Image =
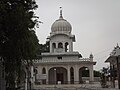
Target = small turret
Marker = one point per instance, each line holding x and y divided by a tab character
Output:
91	57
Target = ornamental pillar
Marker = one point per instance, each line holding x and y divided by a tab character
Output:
51	48
91	74
70	46
76	74
68	74
56	44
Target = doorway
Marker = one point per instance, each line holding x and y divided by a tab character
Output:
56	74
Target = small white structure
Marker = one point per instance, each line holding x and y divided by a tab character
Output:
62	65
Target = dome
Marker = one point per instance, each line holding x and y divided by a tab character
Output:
61	26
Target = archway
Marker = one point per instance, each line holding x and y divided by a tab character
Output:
71	75
60	45
53	46
66	47
83	74
57	75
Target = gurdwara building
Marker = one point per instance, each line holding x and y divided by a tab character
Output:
62	65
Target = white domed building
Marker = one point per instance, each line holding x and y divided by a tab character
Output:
62	65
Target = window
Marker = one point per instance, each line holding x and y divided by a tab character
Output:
66	47
60	45
43	71
54	45
60	58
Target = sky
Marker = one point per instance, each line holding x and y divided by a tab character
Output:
95	24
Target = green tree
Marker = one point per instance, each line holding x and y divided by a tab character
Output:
85	73
43	48
104	76
97	73
18	41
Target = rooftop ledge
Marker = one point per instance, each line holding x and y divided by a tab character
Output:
65	53
83	60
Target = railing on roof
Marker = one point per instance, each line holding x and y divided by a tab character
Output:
57	60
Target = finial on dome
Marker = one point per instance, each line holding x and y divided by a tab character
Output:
61	13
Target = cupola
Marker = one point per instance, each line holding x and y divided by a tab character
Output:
61	26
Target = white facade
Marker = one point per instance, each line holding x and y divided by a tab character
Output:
62	64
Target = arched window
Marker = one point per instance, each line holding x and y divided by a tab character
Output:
66	47
54	45
43	71
60	45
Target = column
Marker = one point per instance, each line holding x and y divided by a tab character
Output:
68	74
56	44
70	46
76	75
91	74
46	75
51	48
39	73
63	46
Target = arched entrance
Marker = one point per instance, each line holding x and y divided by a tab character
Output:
83	74
57	75
71	75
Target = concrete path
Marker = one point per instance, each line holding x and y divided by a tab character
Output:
94	86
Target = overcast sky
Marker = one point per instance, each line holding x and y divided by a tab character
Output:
95	23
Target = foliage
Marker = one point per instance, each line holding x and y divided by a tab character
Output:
97	73
18	41
104	76
43	48
85	73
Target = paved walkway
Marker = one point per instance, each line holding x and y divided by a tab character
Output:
94	86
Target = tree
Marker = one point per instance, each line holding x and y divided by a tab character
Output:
43	48
85	73
97	73
104	76
18	41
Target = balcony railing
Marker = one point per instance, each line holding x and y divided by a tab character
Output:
53	61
